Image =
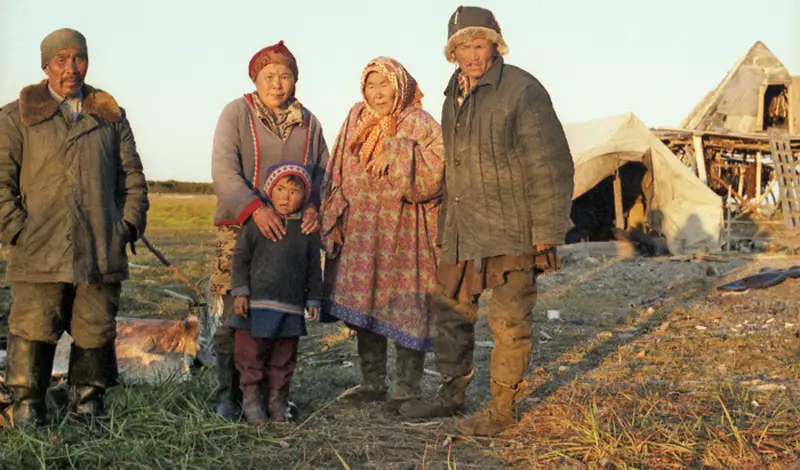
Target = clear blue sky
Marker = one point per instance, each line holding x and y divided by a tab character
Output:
173	64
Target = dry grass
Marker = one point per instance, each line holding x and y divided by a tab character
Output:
708	382
692	380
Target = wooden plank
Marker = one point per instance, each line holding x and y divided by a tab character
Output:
758	126
699	156
794	106
685	133
758	175
740	188
618	212
624	249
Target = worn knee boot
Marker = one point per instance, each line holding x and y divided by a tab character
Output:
372	354
253	403
451	398
409	365
229	395
278	405
28	370
91	372
500	415
454	345
510	320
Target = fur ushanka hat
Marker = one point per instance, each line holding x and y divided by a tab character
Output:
468	23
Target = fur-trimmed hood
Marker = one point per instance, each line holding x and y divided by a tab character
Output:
36	104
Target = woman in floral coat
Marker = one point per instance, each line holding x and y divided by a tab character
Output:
379	217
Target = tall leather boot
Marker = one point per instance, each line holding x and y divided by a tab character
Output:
91	372
500	415
253	406
28	369
229	395
409	364
372	355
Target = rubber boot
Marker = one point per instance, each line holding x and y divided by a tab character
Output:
91	372
409	365
253	406
451	398
28	370
372	355
500	415
229	395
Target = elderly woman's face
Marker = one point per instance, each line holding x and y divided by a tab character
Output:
275	84
379	93
475	57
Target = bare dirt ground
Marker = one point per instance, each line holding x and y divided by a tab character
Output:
647	367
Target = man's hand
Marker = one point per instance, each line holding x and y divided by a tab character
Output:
310	220
132	236
241	305
269	223
312	313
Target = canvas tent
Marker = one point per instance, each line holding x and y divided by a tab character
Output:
683	209
757	93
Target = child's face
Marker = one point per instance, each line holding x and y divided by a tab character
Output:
288	196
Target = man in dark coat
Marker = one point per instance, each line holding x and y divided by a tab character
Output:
72	196
508	192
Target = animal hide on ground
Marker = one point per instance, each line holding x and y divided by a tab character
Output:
149	350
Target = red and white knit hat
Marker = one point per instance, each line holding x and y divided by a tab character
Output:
281	170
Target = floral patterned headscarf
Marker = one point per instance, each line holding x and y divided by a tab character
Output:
373	128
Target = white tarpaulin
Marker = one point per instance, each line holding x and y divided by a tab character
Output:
690	213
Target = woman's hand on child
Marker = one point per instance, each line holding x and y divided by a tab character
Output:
312	313
310	220
241	305
269	223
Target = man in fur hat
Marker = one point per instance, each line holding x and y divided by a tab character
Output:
508	193
72	196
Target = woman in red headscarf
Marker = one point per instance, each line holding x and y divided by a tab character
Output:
379	216
254	132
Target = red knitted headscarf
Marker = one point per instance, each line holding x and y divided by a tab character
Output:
274	54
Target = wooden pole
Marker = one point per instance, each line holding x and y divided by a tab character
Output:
729	224
740	169
620	216
700	158
758	175
183	277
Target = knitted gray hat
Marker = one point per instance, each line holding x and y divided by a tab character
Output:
62	39
468	23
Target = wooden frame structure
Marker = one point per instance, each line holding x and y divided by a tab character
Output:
736	165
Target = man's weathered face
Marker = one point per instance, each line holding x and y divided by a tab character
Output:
275	85
475	57
66	71
379	93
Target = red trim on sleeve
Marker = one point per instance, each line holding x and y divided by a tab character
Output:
247	212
